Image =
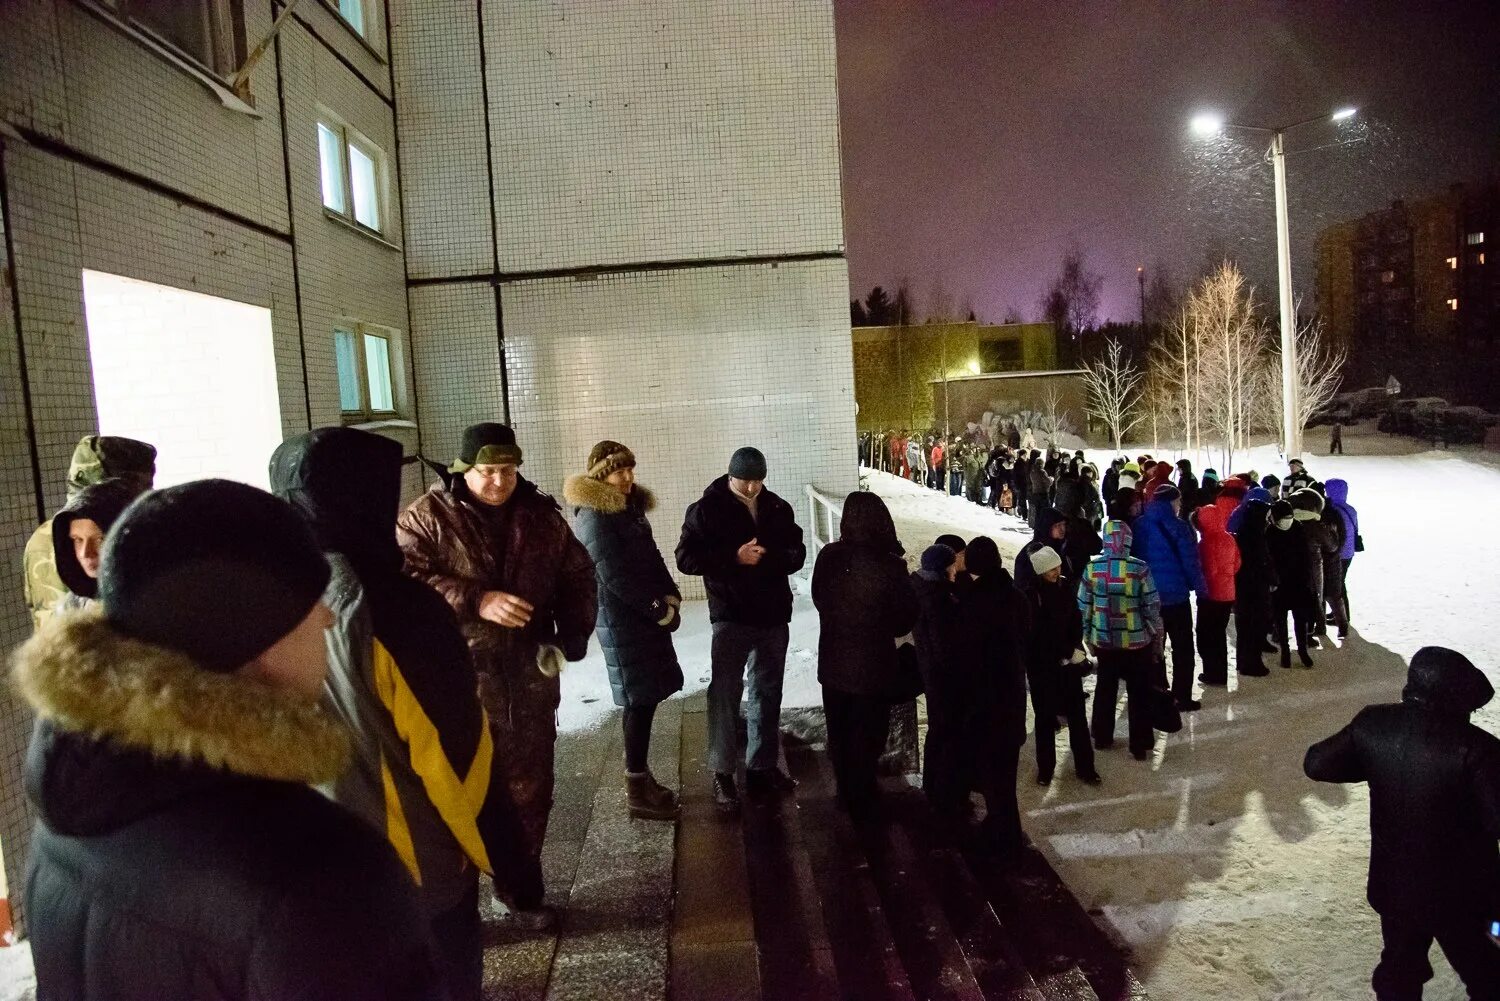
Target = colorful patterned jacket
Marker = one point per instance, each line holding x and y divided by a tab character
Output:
1118	599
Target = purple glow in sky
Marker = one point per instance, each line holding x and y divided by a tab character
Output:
980	138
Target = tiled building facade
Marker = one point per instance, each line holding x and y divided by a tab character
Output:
596	219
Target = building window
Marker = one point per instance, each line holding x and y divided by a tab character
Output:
1479	257
1453	304
1386	277
210	32
352	171
1475	239
1453	264
362	354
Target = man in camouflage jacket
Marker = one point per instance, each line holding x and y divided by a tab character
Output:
96	459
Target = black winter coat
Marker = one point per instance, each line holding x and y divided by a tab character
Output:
864	600
634	588
1434	807
1042	536
1111	484
1291	559
996	632
939	643
181	854
1056	632
716	526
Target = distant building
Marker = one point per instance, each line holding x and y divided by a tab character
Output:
967	399
895	366
1414	291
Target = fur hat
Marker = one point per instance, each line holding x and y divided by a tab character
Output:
1045	559
937	557
487	444
607	457
213	569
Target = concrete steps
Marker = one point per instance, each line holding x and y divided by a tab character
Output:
791	899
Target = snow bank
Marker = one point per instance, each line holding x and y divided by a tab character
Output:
1226	871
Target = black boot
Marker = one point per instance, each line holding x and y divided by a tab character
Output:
726	796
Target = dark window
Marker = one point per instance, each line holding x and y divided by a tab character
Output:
211	32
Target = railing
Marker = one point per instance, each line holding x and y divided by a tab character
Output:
824	513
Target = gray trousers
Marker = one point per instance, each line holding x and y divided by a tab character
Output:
763	650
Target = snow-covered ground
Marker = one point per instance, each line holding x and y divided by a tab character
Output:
1228	873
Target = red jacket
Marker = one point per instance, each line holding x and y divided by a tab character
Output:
1218	553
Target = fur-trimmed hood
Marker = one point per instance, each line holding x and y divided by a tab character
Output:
131	699
585	491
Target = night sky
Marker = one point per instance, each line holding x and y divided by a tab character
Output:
980	138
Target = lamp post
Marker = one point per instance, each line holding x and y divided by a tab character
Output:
1210	124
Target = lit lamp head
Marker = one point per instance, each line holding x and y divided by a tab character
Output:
1207	124
1344	113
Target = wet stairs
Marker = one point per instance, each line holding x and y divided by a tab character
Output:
789	901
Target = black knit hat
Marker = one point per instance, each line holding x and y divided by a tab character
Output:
747	463
953	542
982	557
216	570
486	445
607	457
937	557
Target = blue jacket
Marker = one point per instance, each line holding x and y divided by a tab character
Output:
1170	549
1338	496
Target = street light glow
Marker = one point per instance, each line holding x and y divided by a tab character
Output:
1344	113
1207	124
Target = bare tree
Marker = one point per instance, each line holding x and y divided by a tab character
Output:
1112	382
1071	302
1229	340
1320	370
1052	418
1175	370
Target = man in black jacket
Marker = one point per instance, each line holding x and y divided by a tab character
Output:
1434	820
179	851
743	540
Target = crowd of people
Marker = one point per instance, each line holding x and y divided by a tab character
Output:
208	655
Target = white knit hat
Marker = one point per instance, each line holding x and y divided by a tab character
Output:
1045	559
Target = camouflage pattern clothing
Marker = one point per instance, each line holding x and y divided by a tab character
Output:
96	459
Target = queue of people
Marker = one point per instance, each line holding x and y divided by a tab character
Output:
207	654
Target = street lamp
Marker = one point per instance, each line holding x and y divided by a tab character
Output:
1208	124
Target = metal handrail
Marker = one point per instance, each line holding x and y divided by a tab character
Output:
823	513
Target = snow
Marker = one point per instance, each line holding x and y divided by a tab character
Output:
1226	871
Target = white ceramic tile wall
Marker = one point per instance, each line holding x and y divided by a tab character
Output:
114	101
67	75
672	130
685	366
440	107
457	362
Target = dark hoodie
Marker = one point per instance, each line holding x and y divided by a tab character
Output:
1434	792
996	631
1040	538
102	503
864	600
1256	573
401	677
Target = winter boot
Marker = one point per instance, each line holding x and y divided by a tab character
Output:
1286	656
726	796
647	799
1305	657
764	783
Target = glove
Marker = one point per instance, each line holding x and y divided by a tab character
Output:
549	660
672	619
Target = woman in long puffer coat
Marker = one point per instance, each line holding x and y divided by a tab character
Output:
638	610
1323	556
1221	562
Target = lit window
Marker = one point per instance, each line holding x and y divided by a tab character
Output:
352	174
211	32
1479	257
362	355
353	11
1386	277
1452	303
1475	239
1452	264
